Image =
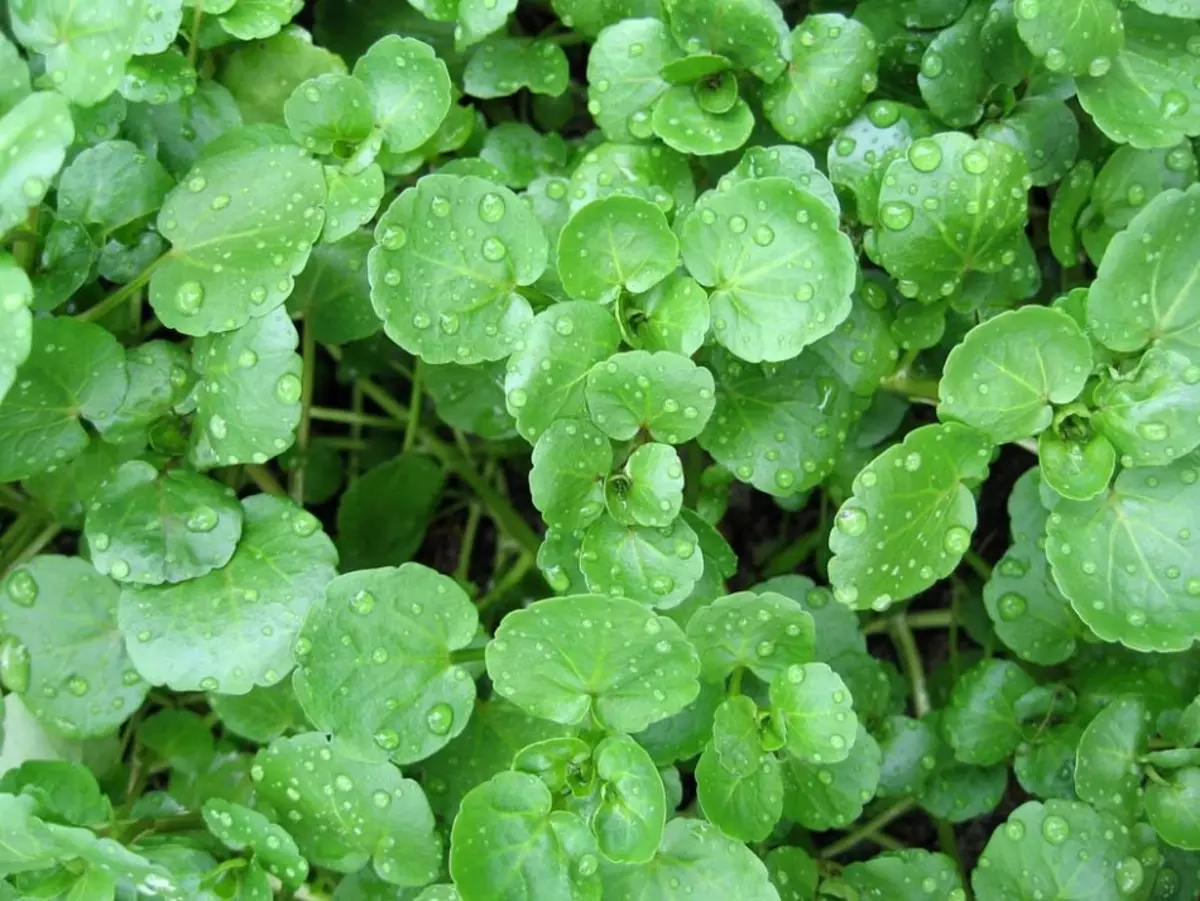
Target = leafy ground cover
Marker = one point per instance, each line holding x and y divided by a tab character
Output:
599	450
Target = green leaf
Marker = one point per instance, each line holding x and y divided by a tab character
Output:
658	567
779	428
672	316
751	33
1076	469
590	17
34	137
70	666
861	351
329	113
952	82
924	476
653	173
765	633
664	395
1084	40
1171	808
145	527
522	154
445	300
253	20
68	256
237	239
471	398
344	813
1123	560
811	708
1069	201
65	792
684	124
239	829
958	792
1150	414
15	87
262	715
546	377
738	784
383	515
1046	767
508	844
613	244
929	236
408	88
649	490
624	83
834	67
1148	97
787	161
1004	376
502	66
16	323
694	860
628	820
908	750
162	78
980	721
794	873
1029	613
822	796
248	400
912	875
1045	132
604	652
352	202
1108	772
111	185
782	270
22	846
332	293
74	370
262	75
685	734
1037	852
234	628
400	625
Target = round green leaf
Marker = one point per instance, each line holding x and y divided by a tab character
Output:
444	297
344	813
111	185
738	784
1029	613
521	154
1149	96
471	398
952	82
1084	38
980	720
653	173
787	161
1046	849
958	792
162	78
147	527
262	715
811	707
629	819
408	88
1046	133
16	323
75	369
1069	201
1150	414
685	125
779	428
34	137
329	113
912	875
782	270
833	68
613	244
589	17
764	632
930	234
912	500
822	796
623	77
1046	767
352	202
332	293
509	844
673	316
393	627
1076	469
66	490
241	225
63	654
502	66
249	393
1108	772
684	735
564	658
1004	376
751	33
908	750
15	86
1123	559
570	462
239	829
1171	808
233	628
649	490
160	377
383	515
657	567
663	394
546	376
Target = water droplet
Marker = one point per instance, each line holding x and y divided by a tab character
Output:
851	521
1011	607
304	524
381	799
449	323
491	207
189	297
912	462
220	201
1099	66
197	183
737	224
202	519
932	64
588	864
1129	875
393	237
288	388
343	782
1055	829
1054	59
1173	103
764	235
494	250
78	686
439	719
925	155
765	648
517	398
896	215
387	739
247	359
22	589
440	206
14	665
975	162
119	570
363	602
1015	830
796	673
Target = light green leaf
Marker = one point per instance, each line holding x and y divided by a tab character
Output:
632	810
1151	415
649	490
911	875
613	244
1076	468
446	299
479	18
1084	38
811	708
74	370
751	33
1171	808
332	293
22	845
248	400
822	795
471	398
653	173
1046	767
765	633
159	26
787	161
924	476
241	225
234	628
111	185
605	650
508	844
262	75
147	527
1029	613
162	78
330	113
396	627
657	567
952	82
908	751
352	202
343	812
673	316
663	394
16	323
69	665
624	83
262	715
738	784
833	68
1108	771
239	829
502	66
408	88
685	125
1046	133
521	154
15	86
980	721
590	17
254	20
1069	201
34	137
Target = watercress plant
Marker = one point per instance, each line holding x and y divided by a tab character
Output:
600	450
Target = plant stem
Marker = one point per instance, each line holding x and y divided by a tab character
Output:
794	554
462	572
193	39
33	548
308	356
265	480
414	408
352	418
910	659
868	830
467	655
923	619
921	390
25	249
506	583
982	568
122	294
948	842
735	682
